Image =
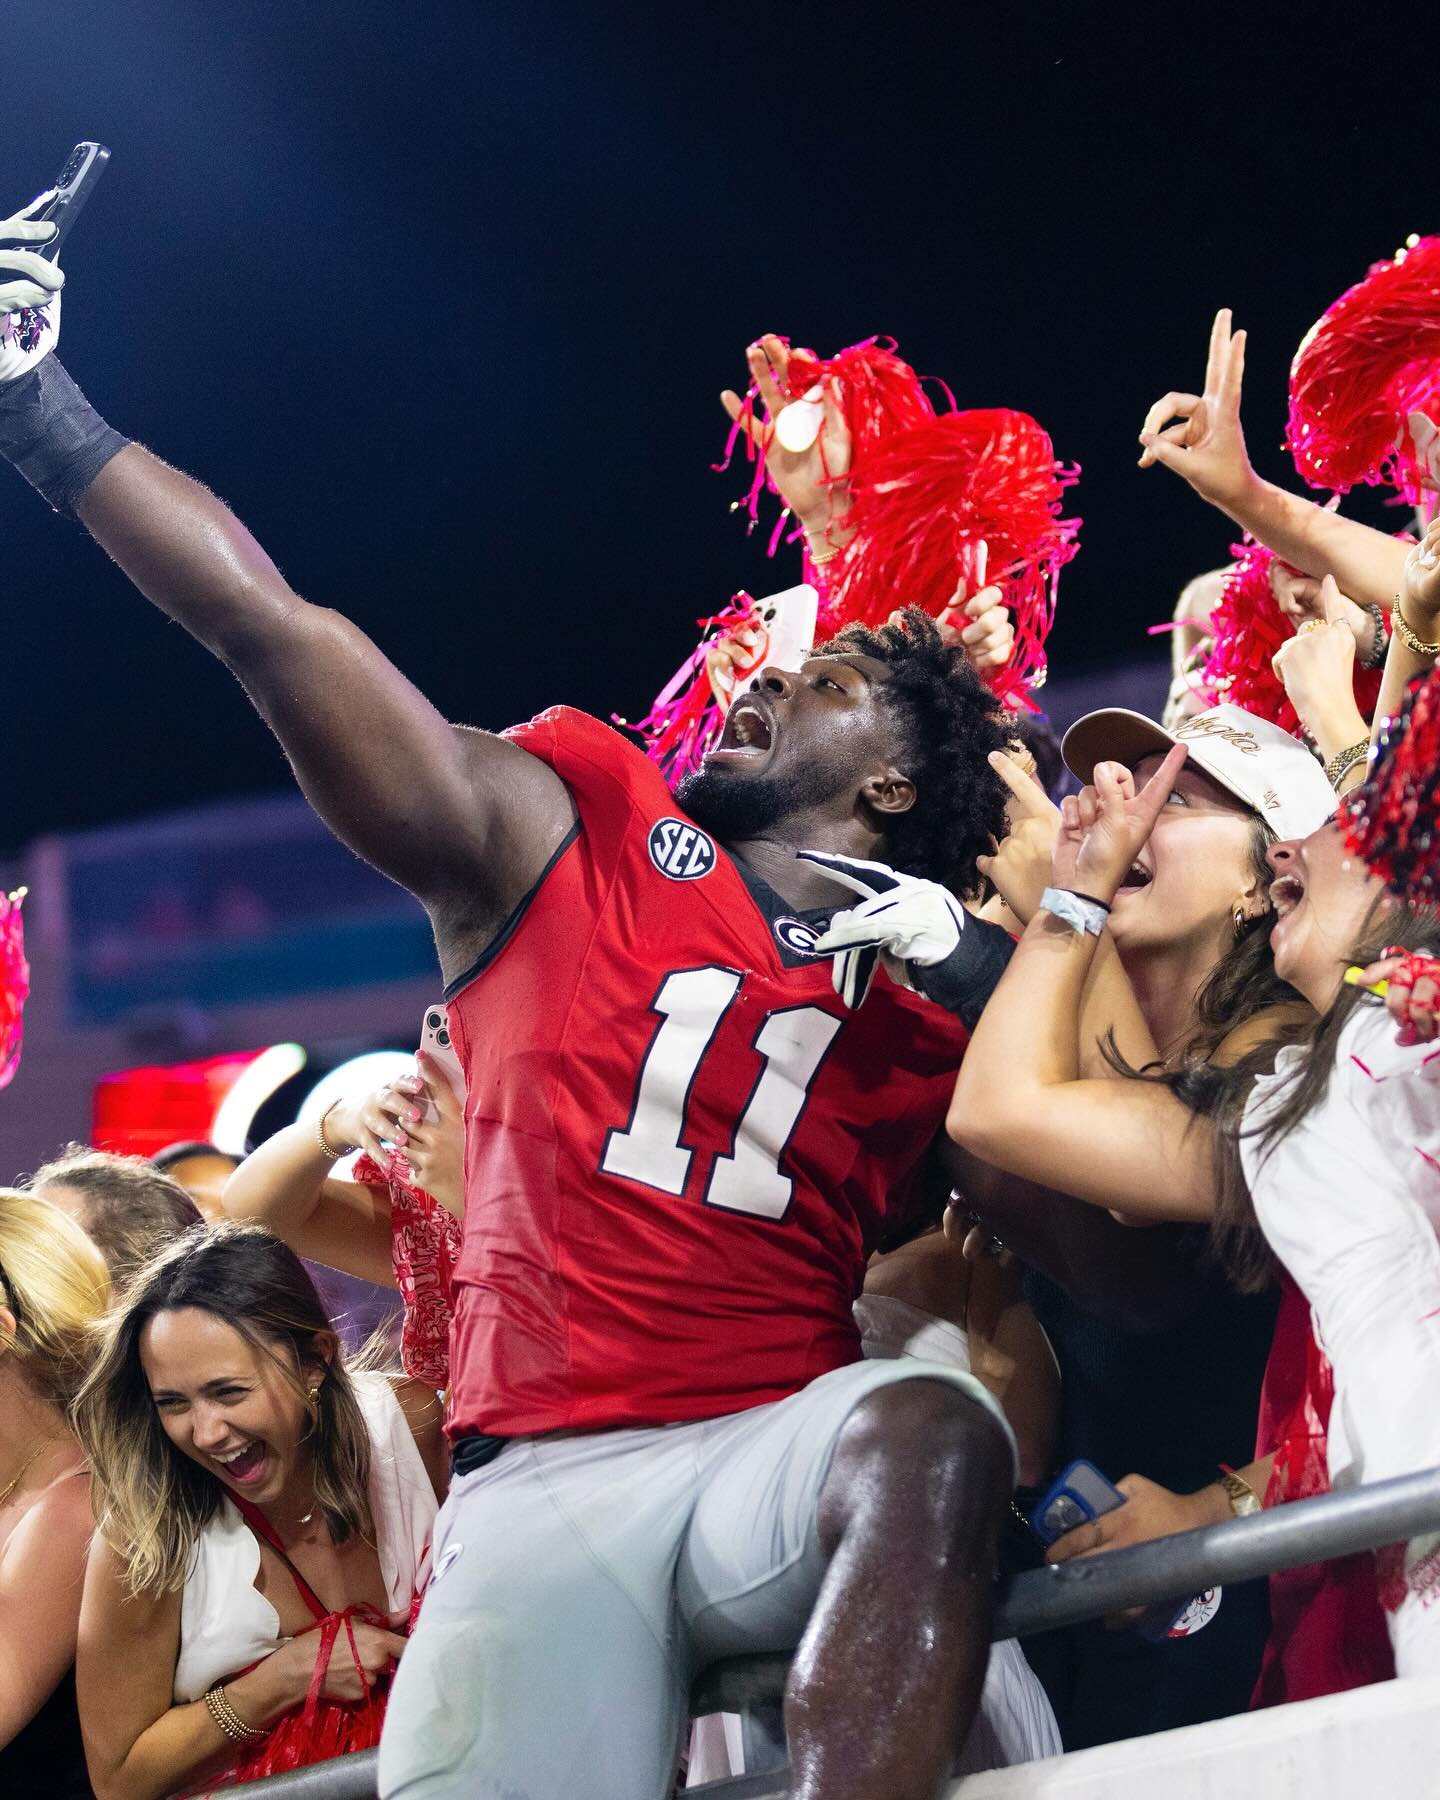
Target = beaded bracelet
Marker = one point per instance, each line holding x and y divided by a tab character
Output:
1407	636
327	1149
226	1717
1374	657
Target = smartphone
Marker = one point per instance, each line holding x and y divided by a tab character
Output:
435	1042
785	623
1078	1494
73	187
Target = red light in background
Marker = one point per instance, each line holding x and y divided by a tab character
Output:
139	1111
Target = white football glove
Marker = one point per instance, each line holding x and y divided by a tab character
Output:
912	920
28	283
952	959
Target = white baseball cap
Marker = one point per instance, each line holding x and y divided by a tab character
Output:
1271	771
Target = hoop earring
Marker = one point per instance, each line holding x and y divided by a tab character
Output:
1239	920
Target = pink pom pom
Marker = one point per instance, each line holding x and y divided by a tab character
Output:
14	983
686	720
1365	365
1247	629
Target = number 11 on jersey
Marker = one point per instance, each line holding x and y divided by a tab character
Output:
792	1043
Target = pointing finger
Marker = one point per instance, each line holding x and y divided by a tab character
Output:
1030	798
1218	350
1232	376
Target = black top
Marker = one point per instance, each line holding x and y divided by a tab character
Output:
45	1760
1172	1405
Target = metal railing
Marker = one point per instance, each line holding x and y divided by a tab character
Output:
1286	1537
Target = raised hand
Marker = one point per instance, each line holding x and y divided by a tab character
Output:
1420	595
1298	598
1317	667
811	481
1204	443
1020	867
26	278
729	659
1413	992
1103	828
29	294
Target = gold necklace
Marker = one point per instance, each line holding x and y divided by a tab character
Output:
6	1492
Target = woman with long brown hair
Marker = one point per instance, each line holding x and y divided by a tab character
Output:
264	1519
53	1288
1329	1148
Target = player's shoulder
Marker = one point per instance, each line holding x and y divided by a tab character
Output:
599	765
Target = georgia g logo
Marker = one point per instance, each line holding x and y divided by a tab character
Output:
681	850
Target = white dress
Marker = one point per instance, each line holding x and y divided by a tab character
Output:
1015	1722
226	1623
1350	1203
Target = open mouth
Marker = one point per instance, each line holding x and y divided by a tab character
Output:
1136	877
245	1466
749	732
1286	893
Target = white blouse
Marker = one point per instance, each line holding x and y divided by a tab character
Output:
226	1623
1350	1203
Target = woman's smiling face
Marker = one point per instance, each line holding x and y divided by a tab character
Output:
1322	898
1197	867
227	1404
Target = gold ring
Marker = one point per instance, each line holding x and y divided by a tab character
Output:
1312	625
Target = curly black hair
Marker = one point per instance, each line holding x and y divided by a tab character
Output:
950	722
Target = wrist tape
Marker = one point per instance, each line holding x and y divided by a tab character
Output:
969	975
50	432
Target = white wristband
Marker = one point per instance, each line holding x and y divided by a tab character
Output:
1080	913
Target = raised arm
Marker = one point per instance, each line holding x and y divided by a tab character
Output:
1020	1102
463	819
1206	446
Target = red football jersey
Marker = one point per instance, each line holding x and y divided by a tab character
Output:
679	1143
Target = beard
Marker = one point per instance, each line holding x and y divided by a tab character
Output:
734	807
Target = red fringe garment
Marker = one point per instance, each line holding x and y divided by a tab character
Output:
1247	629
1327	1630
1390	820
1365	365
14	983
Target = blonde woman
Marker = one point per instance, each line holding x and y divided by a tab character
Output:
265	1521
53	1288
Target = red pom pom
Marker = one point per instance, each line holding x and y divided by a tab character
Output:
877	393
1365	365
14	983
1247	629
1391	820
925	500
926	490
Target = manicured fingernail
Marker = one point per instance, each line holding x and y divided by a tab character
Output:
412	1112
400	1140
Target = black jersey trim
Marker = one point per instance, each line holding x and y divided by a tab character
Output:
512	924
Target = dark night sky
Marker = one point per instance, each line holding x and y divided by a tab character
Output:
440	296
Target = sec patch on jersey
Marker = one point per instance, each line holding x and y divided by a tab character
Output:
681	850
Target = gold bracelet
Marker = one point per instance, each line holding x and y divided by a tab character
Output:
1340	766
1401	627
1244	1501
326	1149
226	1717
